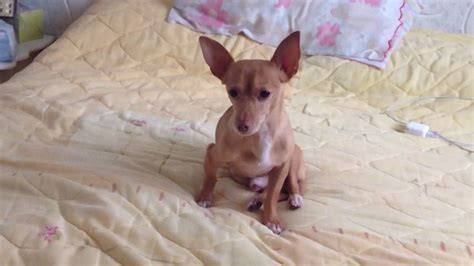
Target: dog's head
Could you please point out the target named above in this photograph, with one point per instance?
(254, 86)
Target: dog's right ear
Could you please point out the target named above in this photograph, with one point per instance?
(287, 55)
(216, 56)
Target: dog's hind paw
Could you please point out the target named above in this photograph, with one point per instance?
(295, 201)
(256, 188)
(254, 205)
(204, 204)
(258, 184)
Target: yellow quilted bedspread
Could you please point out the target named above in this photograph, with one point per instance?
(102, 140)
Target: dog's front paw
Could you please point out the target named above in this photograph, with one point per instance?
(275, 226)
(204, 199)
(273, 223)
(295, 201)
(204, 203)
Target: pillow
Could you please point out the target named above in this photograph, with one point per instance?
(366, 31)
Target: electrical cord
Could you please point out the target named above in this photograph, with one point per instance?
(423, 130)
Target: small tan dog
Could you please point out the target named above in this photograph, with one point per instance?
(254, 138)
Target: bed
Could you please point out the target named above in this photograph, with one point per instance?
(103, 136)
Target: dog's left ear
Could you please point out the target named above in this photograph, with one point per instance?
(287, 55)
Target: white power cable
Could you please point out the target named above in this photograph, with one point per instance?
(423, 130)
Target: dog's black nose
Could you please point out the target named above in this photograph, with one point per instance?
(242, 128)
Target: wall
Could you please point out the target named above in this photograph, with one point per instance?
(455, 16)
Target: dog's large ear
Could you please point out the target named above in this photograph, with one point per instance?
(216, 56)
(287, 55)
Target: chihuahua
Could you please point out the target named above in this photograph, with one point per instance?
(254, 138)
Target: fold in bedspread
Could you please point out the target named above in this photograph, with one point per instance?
(102, 141)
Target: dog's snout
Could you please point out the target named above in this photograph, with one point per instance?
(243, 128)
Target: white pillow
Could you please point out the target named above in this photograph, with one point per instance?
(362, 30)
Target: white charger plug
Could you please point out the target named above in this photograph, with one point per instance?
(422, 130)
(417, 129)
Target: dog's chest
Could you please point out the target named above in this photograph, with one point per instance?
(255, 157)
(254, 161)
(266, 142)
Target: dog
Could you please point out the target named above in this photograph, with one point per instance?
(254, 138)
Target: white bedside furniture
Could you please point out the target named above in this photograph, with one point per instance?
(24, 50)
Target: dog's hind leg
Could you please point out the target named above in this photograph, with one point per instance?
(257, 202)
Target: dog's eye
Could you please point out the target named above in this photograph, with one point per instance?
(264, 94)
(233, 93)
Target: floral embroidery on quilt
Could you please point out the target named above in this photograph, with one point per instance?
(137, 122)
(48, 233)
(178, 129)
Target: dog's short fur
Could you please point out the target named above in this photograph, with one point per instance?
(254, 138)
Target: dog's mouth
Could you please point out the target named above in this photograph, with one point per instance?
(245, 132)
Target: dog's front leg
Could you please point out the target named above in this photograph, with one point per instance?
(296, 178)
(210, 170)
(276, 178)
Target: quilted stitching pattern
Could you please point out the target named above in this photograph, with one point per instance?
(104, 135)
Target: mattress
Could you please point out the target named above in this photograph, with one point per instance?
(103, 136)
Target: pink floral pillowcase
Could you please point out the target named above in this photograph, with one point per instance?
(361, 30)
